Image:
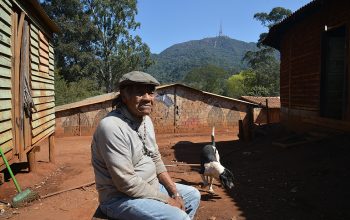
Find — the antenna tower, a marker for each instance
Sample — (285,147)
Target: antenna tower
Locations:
(220,31)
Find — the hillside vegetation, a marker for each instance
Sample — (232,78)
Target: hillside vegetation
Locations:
(174,63)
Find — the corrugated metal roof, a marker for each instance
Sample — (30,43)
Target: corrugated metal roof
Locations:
(273,102)
(275,33)
(112,95)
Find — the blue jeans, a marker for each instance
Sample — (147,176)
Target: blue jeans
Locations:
(129,208)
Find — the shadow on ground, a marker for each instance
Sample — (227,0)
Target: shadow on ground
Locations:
(309,180)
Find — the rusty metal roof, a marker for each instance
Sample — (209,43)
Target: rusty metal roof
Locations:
(276,32)
(273,102)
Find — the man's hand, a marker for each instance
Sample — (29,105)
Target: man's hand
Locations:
(177,202)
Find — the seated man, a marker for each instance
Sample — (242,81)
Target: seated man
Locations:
(131,179)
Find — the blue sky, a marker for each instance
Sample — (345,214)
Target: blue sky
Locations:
(168,22)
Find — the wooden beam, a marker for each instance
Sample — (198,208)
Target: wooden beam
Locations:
(13,78)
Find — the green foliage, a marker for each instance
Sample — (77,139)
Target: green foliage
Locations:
(67,92)
(266,68)
(263,63)
(208,78)
(117,51)
(268,20)
(94,40)
(174,63)
(74,55)
(240,84)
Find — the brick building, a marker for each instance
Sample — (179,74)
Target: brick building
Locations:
(268,110)
(314,47)
(177,109)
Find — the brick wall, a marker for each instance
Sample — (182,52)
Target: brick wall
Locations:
(191,111)
(301,62)
(199,112)
(81,121)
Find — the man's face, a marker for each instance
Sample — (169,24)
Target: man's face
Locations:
(139,99)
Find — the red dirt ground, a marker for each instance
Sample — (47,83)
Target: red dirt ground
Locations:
(307,181)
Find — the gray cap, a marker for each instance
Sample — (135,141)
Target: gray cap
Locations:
(137,77)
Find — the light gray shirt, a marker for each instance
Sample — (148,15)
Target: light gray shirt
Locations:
(118,157)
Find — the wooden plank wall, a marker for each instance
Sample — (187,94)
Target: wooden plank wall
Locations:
(6,135)
(42,84)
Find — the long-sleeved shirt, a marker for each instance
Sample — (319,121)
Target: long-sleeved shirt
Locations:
(120,163)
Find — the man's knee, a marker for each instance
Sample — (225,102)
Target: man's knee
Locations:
(181,215)
(196,194)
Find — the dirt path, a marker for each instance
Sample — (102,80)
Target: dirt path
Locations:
(73,168)
(306,181)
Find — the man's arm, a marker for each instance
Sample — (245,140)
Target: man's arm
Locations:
(175,199)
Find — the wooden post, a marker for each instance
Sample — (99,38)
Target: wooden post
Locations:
(52,150)
(32,159)
(248,125)
(267,112)
(241,130)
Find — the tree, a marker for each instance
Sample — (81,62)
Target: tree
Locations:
(268,20)
(240,84)
(116,50)
(263,62)
(94,41)
(209,78)
(74,55)
(67,92)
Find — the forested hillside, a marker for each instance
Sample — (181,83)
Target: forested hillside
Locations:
(175,62)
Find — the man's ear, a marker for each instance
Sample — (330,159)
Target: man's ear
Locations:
(123,95)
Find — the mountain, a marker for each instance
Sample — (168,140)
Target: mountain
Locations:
(172,64)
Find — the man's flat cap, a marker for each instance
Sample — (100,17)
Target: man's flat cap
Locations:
(137,77)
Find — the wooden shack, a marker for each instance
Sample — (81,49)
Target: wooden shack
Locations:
(27,113)
(315,56)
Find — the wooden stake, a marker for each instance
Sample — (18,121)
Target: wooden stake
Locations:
(66,190)
(52,150)
(32,159)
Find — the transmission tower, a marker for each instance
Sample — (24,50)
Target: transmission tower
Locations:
(220,34)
